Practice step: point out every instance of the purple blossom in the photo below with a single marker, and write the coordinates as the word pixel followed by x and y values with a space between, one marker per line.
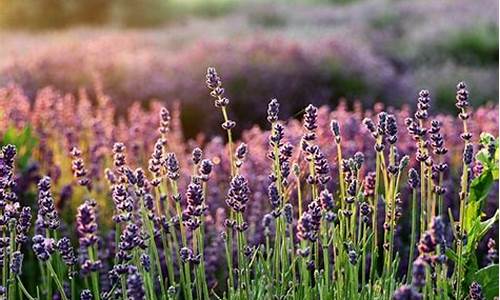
pixel 23 225
pixel 43 247
pixel 172 165
pixel 237 195
pixel 310 122
pixel 119 155
pixel 406 292
pixel 86 223
pixel 86 295
pixel 66 251
pixel 135 285
pixel 335 128
pixel 273 110
pixel 418 273
pixel 475 291
pixel 196 155
pixel 205 169
pixel 164 120
pixel 492 251
pixel 369 184
pixel 326 200
pixel 46 207
pixel 78 167
pixel 16 262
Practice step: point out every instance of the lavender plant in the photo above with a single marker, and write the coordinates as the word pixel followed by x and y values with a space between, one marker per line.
pixel 309 210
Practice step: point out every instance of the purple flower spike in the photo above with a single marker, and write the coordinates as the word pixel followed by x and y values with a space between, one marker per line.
pixel 46 207
pixel 135 285
pixel 475 291
pixel 66 250
pixel 86 222
pixel 43 247
pixel 16 262
pixel 237 195
pixel 86 295
pixel 205 169
pixel 407 292
pixel 273 109
pixel 23 225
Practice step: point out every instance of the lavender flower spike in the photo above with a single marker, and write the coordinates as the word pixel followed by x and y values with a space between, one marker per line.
pixel 135 285
pixel 335 128
pixel 86 295
pixel 43 247
pixel 86 221
pixel 273 109
pixel 475 291
pixel 16 262
pixel 407 292
pixel 66 250
pixel 46 207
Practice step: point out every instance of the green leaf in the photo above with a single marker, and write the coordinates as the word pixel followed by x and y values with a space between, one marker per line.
pixel 479 190
pixel 471 216
pixel 451 254
pixel 487 277
pixel 489 163
pixel 24 141
pixel 479 230
pixel 486 138
pixel 483 157
pixel 486 225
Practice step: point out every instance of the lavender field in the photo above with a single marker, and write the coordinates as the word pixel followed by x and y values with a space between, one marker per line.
pixel 226 150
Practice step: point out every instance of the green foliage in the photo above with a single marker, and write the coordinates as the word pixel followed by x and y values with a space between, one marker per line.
pixel 484 156
pixel 488 278
pixel 345 83
pixel 475 46
pixel 444 97
pixel 25 142
pixel 385 20
pixel 481 185
pixel 204 8
pixel 48 14
pixel 474 227
pixel 267 17
pixel 478 45
pixel 134 13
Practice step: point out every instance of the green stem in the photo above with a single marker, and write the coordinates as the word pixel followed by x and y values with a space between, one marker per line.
pixel 58 283
pixel 413 235
pixel 374 247
pixel 94 275
pixel 23 289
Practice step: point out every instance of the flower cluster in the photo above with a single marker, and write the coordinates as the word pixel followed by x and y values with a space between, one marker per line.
pixel 332 206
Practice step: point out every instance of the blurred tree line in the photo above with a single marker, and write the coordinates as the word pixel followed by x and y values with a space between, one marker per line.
pixel 48 14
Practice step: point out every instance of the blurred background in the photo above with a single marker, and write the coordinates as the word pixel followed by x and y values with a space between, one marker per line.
pixel 301 51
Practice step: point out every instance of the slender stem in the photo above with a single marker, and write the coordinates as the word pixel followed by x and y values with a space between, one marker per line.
pixel 124 287
pixel 413 234
pixel 463 201
pixel 94 275
pixel 12 281
pixel 168 248
pixel 363 256
pixel 229 142
pixel 58 283
pixel 23 289
pixel 374 249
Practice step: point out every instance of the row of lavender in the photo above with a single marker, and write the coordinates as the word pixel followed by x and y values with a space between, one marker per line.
pixel 254 68
pixel 274 216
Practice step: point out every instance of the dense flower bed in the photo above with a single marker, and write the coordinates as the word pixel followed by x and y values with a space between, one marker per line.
pixel 331 206
pixel 131 69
